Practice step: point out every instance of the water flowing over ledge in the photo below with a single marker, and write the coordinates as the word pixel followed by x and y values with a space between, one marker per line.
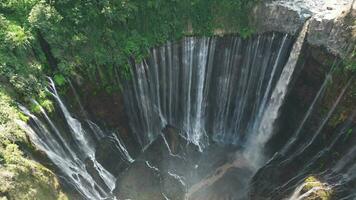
pixel 206 87
pixel 72 146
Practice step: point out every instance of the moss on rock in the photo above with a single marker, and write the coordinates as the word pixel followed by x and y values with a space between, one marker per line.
pixel 21 177
pixel 315 190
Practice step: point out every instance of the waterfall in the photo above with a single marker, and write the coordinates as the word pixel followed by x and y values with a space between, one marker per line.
pixel 255 144
pixel 212 89
pixel 76 161
pixel 308 113
pixel 83 139
pixel 197 127
pixel 122 148
pixel 219 91
pixel 75 126
pixel 71 165
pixel 312 158
pixel 322 124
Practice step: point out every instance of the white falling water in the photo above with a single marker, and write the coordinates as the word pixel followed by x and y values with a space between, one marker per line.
pixel 297 195
pixel 83 139
pixel 345 161
pixel 206 87
pixel 255 144
pixel 120 145
pixel 74 124
pixel 70 165
pixel 307 115
pixel 72 160
pixel 325 119
pixel 198 123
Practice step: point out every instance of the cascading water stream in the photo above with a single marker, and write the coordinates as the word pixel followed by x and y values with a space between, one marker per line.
pixel 83 139
pixel 72 160
pixel 264 131
pixel 327 117
pixel 308 113
pixel 71 165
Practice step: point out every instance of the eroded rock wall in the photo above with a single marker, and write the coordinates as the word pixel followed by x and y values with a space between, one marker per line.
pixel 332 23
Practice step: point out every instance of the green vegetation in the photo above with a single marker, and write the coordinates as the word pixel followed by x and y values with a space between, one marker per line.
pixel 98 39
pixel 322 192
pixel 20 177
pixel 348 134
pixel 350 61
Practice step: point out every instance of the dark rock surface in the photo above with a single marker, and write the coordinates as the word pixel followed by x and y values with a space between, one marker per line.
pixel 182 171
pixel 287 170
pixel 109 155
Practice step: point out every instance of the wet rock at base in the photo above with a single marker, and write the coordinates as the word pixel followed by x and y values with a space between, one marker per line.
pixel 109 155
pixel 171 166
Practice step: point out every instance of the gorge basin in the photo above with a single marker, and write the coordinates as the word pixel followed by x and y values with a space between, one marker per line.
pixel 177 100
pixel 206 119
pixel 196 86
pixel 180 171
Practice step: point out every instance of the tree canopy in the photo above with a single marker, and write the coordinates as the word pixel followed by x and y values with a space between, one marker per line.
pixel 66 36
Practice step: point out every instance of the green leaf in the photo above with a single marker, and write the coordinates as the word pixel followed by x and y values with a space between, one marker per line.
pixel 59 79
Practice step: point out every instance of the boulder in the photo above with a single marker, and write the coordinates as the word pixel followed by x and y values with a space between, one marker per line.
pixel 315 190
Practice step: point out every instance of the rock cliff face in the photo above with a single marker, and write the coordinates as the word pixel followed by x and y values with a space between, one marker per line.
pixel 331 36
pixel 332 23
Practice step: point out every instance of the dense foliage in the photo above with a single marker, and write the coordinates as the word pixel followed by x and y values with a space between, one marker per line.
pixel 100 38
